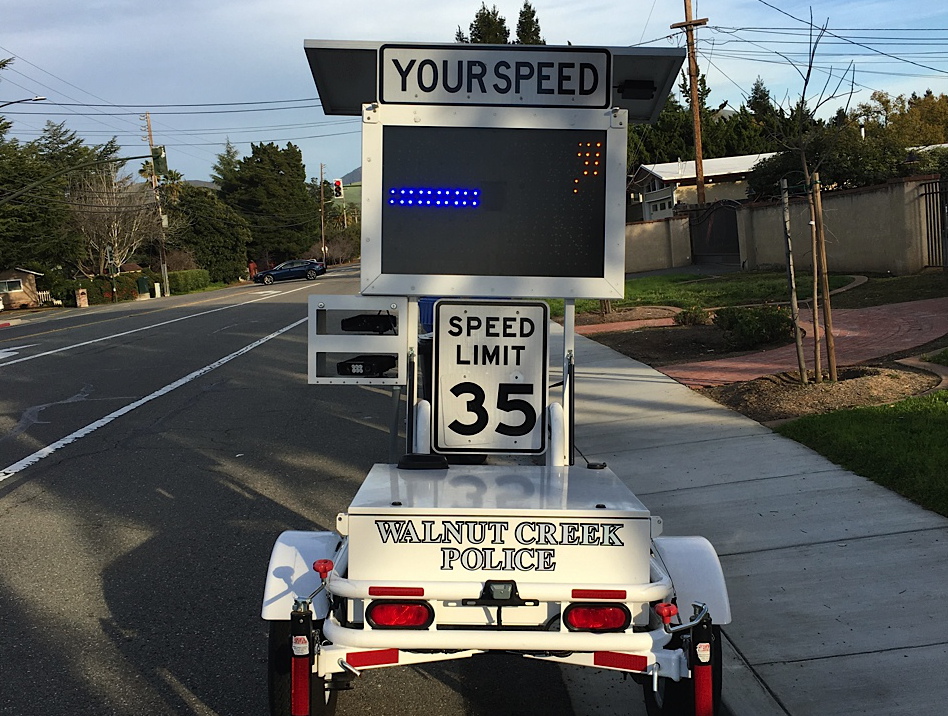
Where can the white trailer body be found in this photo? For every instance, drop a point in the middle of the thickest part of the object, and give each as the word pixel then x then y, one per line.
pixel 437 557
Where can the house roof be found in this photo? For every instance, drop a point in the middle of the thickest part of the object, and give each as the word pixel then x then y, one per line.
pixel 683 171
pixel 35 273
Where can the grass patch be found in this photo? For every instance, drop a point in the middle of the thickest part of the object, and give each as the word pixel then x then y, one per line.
pixel 900 446
pixel 941 358
pixel 691 291
pixel 893 289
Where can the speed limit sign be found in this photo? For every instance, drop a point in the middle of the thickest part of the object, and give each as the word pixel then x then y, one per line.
pixel 490 376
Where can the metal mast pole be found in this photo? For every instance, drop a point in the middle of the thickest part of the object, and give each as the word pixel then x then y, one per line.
pixel 322 212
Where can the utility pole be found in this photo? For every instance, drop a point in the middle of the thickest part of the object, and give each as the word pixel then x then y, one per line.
pixel 165 287
pixel 689 26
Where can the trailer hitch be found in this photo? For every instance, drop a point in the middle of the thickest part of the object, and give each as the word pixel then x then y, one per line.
pixel 303 645
pixel 668 611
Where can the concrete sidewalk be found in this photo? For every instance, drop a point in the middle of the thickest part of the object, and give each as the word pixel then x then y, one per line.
pixel 837 585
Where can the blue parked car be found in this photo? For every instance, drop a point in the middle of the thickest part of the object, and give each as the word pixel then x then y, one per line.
pixel 300 268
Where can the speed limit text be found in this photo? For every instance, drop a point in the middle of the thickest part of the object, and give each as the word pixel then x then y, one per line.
pixel 490 327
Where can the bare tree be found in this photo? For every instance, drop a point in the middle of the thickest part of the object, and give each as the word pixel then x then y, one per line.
pixel 113 215
pixel 808 138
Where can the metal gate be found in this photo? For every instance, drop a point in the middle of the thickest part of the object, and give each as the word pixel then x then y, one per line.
pixel 714 234
pixel 935 195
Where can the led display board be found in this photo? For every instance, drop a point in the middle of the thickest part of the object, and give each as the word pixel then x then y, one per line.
pixel 475 201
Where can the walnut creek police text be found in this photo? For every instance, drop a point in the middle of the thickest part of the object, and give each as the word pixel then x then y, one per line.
pixel 536 541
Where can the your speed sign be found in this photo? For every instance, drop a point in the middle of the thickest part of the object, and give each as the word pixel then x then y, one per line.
pixel 490 376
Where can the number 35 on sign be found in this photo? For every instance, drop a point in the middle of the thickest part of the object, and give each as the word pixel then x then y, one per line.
pixel 490 376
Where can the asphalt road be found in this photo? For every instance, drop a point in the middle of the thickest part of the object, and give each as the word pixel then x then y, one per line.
pixel 150 453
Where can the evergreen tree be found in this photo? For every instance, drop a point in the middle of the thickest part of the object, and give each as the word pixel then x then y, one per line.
pixel 664 141
pixel 214 234
pixel 269 190
pixel 488 28
pixel 528 27
pixel 34 228
pixel 225 170
pixel 767 116
pixel 30 225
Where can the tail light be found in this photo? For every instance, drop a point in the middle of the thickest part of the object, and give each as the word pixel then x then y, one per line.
pixel 399 615
pixel 597 617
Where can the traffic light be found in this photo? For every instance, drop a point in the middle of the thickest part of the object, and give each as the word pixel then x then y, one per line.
pixel 337 188
pixel 160 160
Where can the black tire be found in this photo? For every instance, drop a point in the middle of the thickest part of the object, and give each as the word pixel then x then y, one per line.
pixel 322 701
pixel 268 279
pixel 311 275
pixel 677 698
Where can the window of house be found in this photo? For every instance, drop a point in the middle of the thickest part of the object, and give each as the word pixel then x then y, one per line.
pixel 11 284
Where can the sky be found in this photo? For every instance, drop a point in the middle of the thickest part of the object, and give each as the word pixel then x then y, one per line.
pixel 208 70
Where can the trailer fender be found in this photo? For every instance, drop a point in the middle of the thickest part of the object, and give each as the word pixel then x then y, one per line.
pixel 291 575
pixel 696 574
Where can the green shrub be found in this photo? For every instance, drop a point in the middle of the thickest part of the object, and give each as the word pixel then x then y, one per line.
pixel 750 327
pixel 188 281
pixel 693 316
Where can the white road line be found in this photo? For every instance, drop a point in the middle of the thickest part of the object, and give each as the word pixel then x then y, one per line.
pixel 147 328
pixel 92 427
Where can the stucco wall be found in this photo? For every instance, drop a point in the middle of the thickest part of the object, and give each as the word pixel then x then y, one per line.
pixel 651 245
pixel 878 229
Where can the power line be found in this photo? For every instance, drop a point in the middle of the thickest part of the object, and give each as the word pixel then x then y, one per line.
pixel 858 44
pixel 182 112
pixel 202 104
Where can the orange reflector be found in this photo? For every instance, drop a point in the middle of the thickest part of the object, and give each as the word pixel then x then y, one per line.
pixel 396 591
pixel 399 615
pixel 596 617
pixel 615 660
pixel 598 594
pixel 361 659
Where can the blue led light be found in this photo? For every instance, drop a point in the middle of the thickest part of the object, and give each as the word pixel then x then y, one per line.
pixel 414 196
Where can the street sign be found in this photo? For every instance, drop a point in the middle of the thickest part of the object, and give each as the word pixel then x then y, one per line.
pixel 507 202
pixel 508 75
pixel 490 385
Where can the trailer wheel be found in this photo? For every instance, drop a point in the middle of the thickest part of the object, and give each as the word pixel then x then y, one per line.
pixel 278 677
pixel 677 698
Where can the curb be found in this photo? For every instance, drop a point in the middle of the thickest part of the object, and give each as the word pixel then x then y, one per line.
pixel 940 370
pixel 744 693
pixel 593 328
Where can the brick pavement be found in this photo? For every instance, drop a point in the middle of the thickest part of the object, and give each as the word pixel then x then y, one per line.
pixel 861 334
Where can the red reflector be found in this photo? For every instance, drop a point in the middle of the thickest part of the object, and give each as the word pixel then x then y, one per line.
pixel 596 618
pixel 300 675
pixel 399 614
pixel 598 594
pixel 704 691
pixel 615 660
pixel 396 591
pixel 361 659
